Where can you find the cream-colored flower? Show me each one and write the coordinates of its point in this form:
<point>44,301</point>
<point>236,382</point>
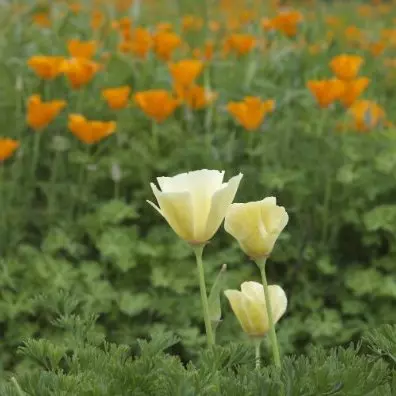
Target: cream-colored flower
<point>256,225</point>
<point>250,308</point>
<point>195,203</point>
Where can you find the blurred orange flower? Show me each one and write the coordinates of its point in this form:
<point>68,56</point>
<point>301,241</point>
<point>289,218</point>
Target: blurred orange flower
<point>197,97</point>
<point>46,67</point>
<point>191,22</point>
<point>251,112</point>
<point>42,18</point>
<point>185,71</point>
<point>165,43</point>
<point>346,67</point>
<point>354,35</point>
<point>75,8</point>
<point>240,43</point>
<point>90,132</point>
<point>81,49</point>
<point>353,89</point>
<point>206,53</point>
<point>40,114</point>
<point>79,71</point>
<point>140,42</point>
<point>158,104</point>
<point>97,19</point>
<point>367,115</point>
<point>7,148</point>
<point>377,48</point>
<point>117,98</point>
<point>326,91</point>
<point>287,22</point>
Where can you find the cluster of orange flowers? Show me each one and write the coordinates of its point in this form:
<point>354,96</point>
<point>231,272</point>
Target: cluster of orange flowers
<point>347,87</point>
<point>223,39</point>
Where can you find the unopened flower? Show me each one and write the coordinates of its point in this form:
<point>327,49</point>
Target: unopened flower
<point>195,203</point>
<point>158,104</point>
<point>97,19</point>
<point>46,67</point>
<point>346,67</point>
<point>40,114</point>
<point>90,132</point>
<point>117,98</point>
<point>7,148</point>
<point>326,91</point>
<point>256,225</point>
<point>250,308</point>
<point>251,112</point>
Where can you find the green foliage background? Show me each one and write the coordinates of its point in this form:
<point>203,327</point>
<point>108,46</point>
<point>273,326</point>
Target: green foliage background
<point>68,224</point>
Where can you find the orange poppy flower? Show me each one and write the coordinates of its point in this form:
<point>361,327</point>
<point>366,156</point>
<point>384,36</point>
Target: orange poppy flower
<point>346,67</point>
<point>117,98</point>
<point>367,115</point>
<point>326,92</point>
<point>287,22</point>
<point>185,71</point>
<point>156,103</point>
<point>90,132</point>
<point>46,67</point>
<point>206,53</point>
<point>197,97</point>
<point>140,42</point>
<point>79,71</point>
<point>354,35</point>
<point>165,43</point>
<point>353,89</point>
<point>377,48</point>
<point>42,18</point>
<point>7,148</point>
<point>75,8</point>
<point>123,5</point>
<point>240,43</point>
<point>97,19</point>
<point>40,114</point>
<point>81,49</point>
<point>191,22</point>
<point>214,26</point>
<point>251,112</point>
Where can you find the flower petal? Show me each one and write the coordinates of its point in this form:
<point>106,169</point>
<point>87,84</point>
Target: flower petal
<point>221,201</point>
<point>176,207</point>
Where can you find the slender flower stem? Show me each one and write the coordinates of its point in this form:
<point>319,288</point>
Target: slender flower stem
<point>257,343</point>
<point>272,333</point>
<point>198,250</point>
<point>17,387</point>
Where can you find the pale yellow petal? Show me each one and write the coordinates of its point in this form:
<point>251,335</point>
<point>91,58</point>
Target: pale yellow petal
<point>235,297</point>
<point>176,207</point>
<point>221,201</point>
<point>278,301</point>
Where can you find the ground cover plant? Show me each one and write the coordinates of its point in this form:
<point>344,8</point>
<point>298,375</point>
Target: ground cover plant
<point>99,98</point>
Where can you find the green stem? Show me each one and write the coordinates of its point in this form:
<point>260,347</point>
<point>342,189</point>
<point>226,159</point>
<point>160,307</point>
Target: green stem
<point>17,387</point>
<point>5,209</point>
<point>52,189</point>
<point>198,250</point>
<point>257,343</point>
<point>272,333</point>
